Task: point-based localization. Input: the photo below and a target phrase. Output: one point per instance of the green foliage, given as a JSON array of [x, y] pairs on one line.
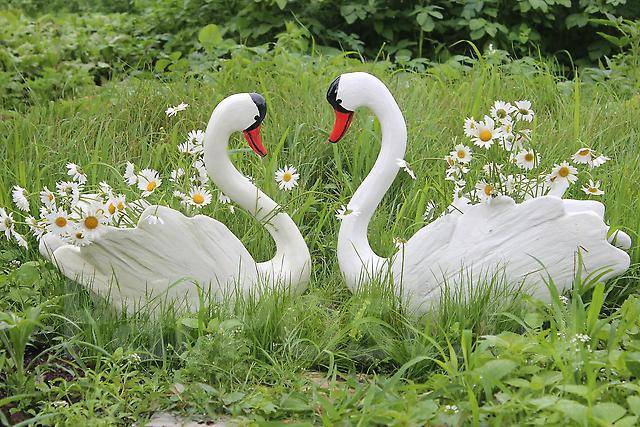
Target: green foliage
[[405, 29], [327, 356], [47, 57]]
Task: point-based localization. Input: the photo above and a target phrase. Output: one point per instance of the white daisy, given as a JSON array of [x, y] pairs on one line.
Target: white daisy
[[148, 181], [346, 211], [287, 177], [583, 156], [430, 211], [202, 176], [105, 189], [593, 189], [69, 189], [176, 174], [507, 134], [76, 173], [462, 153], [199, 197], [484, 191], [181, 107], [58, 222], [222, 198], [450, 160], [405, 166], [193, 144], [115, 206], [486, 132], [523, 111], [19, 238], [47, 197], [502, 110], [470, 126], [563, 172], [77, 237], [170, 111], [92, 223], [599, 161], [6, 223], [20, 198], [130, 174], [526, 159]]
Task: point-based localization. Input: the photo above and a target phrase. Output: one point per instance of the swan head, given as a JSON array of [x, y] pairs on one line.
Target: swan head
[[348, 92], [258, 109]]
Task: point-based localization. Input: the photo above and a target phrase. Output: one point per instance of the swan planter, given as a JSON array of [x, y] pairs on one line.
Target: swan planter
[[526, 242], [170, 257]]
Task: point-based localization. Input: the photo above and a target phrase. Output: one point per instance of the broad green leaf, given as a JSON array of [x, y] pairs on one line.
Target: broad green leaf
[[495, 370], [210, 36], [634, 404], [189, 322], [233, 397], [574, 410], [608, 412], [579, 390]]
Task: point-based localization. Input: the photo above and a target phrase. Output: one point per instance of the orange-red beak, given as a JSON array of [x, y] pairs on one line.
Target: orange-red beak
[[255, 141], [341, 125]]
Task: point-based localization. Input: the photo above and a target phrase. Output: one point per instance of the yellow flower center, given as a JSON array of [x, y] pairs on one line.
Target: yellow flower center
[[501, 113], [111, 208], [151, 186], [528, 157], [198, 198], [120, 206], [79, 235], [563, 172], [485, 135], [91, 222], [523, 111], [461, 154], [61, 221], [584, 152], [50, 197], [488, 190], [287, 176], [593, 190]]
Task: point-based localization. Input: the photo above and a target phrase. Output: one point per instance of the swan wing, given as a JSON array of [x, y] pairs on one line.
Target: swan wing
[[528, 242], [163, 258]]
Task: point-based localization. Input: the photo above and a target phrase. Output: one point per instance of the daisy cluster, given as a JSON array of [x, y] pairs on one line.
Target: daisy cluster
[[194, 177], [80, 215], [69, 211], [511, 165]]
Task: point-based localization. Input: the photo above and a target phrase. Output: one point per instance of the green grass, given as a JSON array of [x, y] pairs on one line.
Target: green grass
[[327, 356]]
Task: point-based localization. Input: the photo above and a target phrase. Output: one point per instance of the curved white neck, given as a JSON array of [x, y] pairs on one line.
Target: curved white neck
[[291, 251], [353, 243]]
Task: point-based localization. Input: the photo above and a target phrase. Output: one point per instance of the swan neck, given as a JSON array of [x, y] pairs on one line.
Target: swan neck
[[240, 189], [353, 238]]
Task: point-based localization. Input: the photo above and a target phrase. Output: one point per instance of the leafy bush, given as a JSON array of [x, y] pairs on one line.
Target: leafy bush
[[47, 57], [400, 28]]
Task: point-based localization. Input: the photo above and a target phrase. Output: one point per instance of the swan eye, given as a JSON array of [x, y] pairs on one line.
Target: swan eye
[[338, 101], [256, 118]]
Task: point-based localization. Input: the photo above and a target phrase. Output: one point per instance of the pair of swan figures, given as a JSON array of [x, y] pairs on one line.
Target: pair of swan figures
[[529, 241]]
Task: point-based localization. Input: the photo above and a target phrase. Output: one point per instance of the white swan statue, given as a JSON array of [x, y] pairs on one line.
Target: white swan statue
[[523, 242], [167, 259]]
